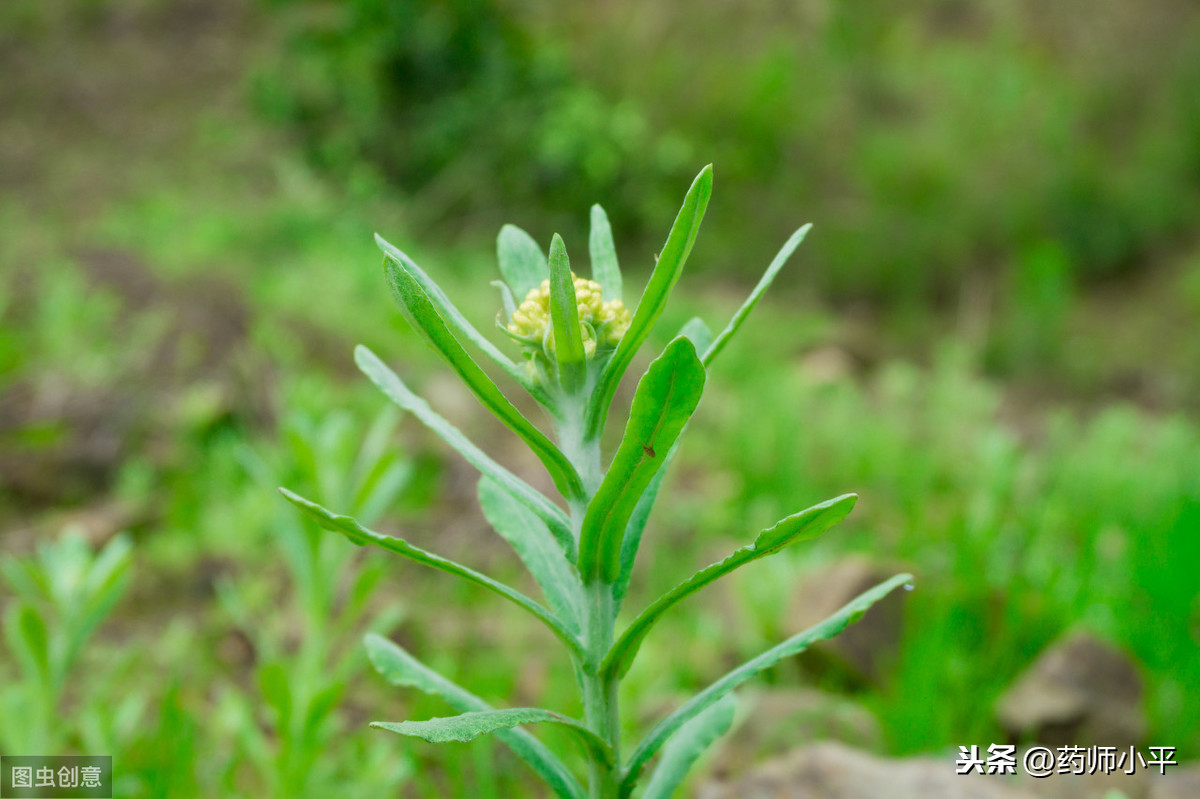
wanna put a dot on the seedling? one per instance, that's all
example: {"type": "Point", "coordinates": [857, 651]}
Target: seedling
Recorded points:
{"type": "Point", "coordinates": [577, 340]}
{"type": "Point", "coordinates": [61, 596]}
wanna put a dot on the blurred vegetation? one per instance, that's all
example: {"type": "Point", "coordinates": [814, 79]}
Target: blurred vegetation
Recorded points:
{"type": "Point", "coordinates": [186, 262]}
{"type": "Point", "coordinates": [926, 140]}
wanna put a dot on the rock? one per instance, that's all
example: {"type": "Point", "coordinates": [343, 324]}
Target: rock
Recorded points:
{"type": "Point", "coordinates": [771, 722]}
{"type": "Point", "coordinates": [1179, 782]}
{"type": "Point", "coordinates": [831, 770]}
{"type": "Point", "coordinates": [865, 648]}
{"type": "Point", "coordinates": [1087, 786]}
{"type": "Point", "coordinates": [1080, 691]}
{"type": "Point", "coordinates": [1174, 782]}
{"type": "Point", "coordinates": [834, 771]}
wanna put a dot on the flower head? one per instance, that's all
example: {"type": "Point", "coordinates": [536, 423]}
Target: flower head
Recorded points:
{"type": "Point", "coordinates": [602, 323]}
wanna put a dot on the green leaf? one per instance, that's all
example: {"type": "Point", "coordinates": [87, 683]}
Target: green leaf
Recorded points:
{"type": "Point", "coordinates": [564, 316]}
{"type": "Point", "coordinates": [360, 535]}
{"type": "Point", "coordinates": [27, 636]}
{"type": "Point", "coordinates": [26, 580]}
{"type": "Point", "coordinates": [662, 404]}
{"type": "Point", "coordinates": [537, 549]}
{"type": "Point", "coordinates": [379, 473]}
{"type": "Point", "coordinates": [632, 539]}
{"type": "Point", "coordinates": [506, 298]}
{"type": "Point", "coordinates": [605, 270]}
{"type": "Point", "coordinates": [797, 527]}
{"type": "Point", "coordinates": [454, 318]}
{"type": "Point", "coordinates": [276, 691]}
{"type": "Point", "coordinates": [106, 581]}
{"type": "Point", "coordinates": [701, 337]}
{"type": "Point", "coordinates": [764, 283]}
{"type": "Point", "coordinates": [361, 589]}
{"type": "Point", "coordinates": [839, 621]}
{"type": "Point", "coordinates": [402, 669]}
{"type": "Point", "coordinates": [391, 385]}
{"type": "Point", "coordinates": [382, 486]}
{"type": "Point", "coordinates": [696, 331]}
{"type": "Point", "coordinates": [109, 565]}
{"type": "Point", "coordinates": [666, 273]}
{"type": "Point", "coordinates": [323, 704]}
{"type": "Point", "coordinates": [687, 745]}
{"type": "Point", "coordinates": [412, 297]}
{"type": "Point", "coordinates": [521, 260]}
{"type": "Point", "coordinates": [470, 726]}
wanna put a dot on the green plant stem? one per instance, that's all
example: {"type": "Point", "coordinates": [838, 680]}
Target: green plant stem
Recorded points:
{"type": "Point", "coordinates": [583, 453]}
{"type": "Point", "coordinates": [600, 708]}
{"type": "Point", "coordinates": [601, 712]}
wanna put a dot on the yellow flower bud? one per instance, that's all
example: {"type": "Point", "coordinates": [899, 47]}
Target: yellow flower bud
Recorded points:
{"type": "Point", "coordinates": [603, 323]}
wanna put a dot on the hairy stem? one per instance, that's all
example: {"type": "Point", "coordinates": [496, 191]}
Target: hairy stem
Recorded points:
{"type": "Point", "coordinates": [600, 708]}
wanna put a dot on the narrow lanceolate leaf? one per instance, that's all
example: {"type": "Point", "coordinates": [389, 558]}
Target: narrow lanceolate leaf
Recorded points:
{"type": "Point", "coordinates": [391, 385]}
{"type": "Point", "coordinates": [666, 273]}
{"type": "Point", "coordinates": [662, 404]}
{"type": "Point", "coordinates": [839, 621]}
{"type": "Point", "coordinates": [27, 636]}
{"type": "Point", "coordinates": [400, 668]}
{"type": "Point", "coordinates": [456, 321]}
{"type": "Point", "coordinates": [522, 262]}
{"type": "Point", "coordinates": [696, 331]}
{"type": "Point", "coordinates": [687, 745]}
{"type": "Point", "coordinates": [506, 298]}
{"type": "Point", "coordinates": [797, 527]}
{"type": "Point", "coordinates": [632, 540]}
{"type": "Point", "coordinates": [470, 726]}
{"type": "Point", "coordinates": [764, 283]}
{"type": "Point", "coordinates": [564, 316]}
{"type": "Point", "coordinates": [360, 535]}
{"type": "Point", "coordinates": [605, 270]}
{"type": "Point", "coordinates": [415, 301]}
{"type": "Point", "coordinates": [535, 546]}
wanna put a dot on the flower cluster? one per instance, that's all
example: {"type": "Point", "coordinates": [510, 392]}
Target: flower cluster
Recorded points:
{"type": "Point", "coordinates": [603, 323]}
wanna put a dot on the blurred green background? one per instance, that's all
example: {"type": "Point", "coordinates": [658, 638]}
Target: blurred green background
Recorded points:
{"type": "Point", "coordinates": [990, 335]}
